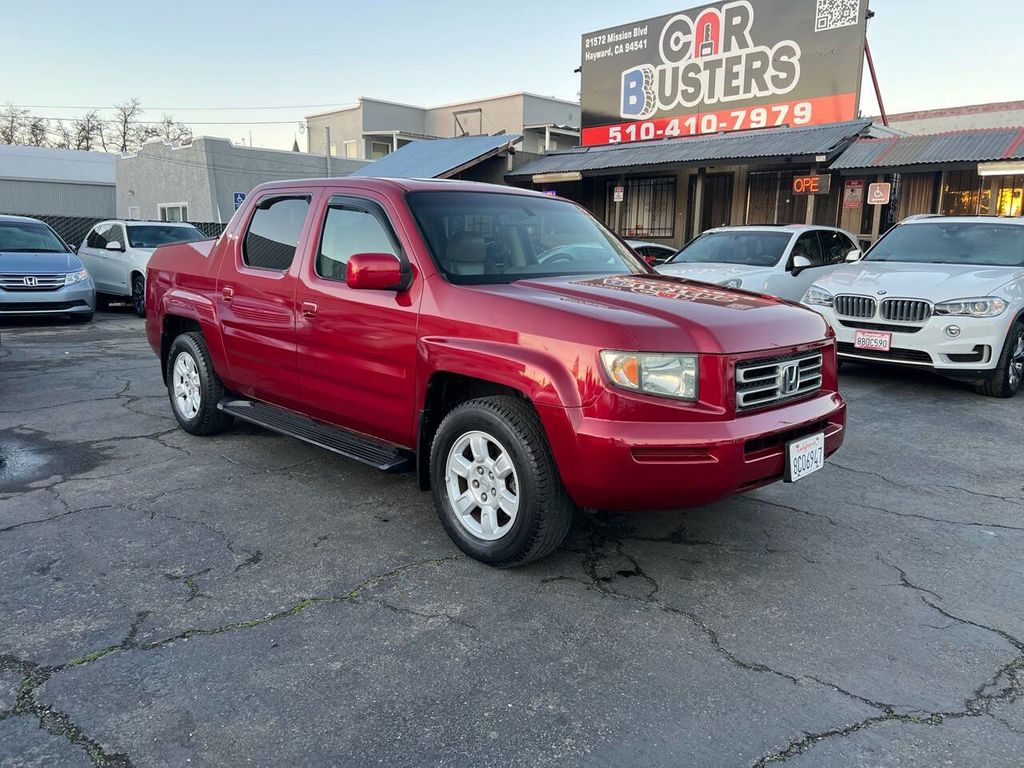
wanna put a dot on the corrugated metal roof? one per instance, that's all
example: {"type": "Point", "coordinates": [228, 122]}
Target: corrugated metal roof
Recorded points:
{"type": "Point", "coordinates": [437, 158]}
{"type": "Point", "coordinates": [768, 142]}
{"type": "Point", "coordinates": [979, 146]}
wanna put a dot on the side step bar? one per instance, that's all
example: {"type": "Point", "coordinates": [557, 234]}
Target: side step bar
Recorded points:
{"type": "Point", "coordinates": [376, 453]}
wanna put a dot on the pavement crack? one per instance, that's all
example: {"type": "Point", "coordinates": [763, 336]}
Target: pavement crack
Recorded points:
{"type": "Point", "coordinates": [904, 581]}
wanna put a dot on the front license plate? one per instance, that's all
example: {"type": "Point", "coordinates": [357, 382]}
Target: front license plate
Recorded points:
{"type": "Point", "coordinates": [876, 341]}
{"type": "Point", "coordinates": [804, 456]}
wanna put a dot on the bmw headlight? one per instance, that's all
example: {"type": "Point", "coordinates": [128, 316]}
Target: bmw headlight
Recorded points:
{"type": "Point", "coordinates": [988, 306]}
{"type": "Point", "coordinates": [735, 282]}
{"type": "Point", "coordinates": [666, 375]}
{"type": "Point", "coordinates": [76, 277]}
{"type": "Point", "coordinates": [818, 297]}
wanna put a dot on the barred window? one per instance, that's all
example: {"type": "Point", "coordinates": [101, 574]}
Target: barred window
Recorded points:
{"type": "Point", "coordinates": [649, 207]}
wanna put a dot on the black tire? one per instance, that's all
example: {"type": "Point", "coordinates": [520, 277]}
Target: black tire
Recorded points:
{"type": "Point", "coordinates": [81, 317]}
{"type": "Point", "coordinates": [139, 295]}
{"type": "Point", "coordinates": [545, 510]}
{"type": "Point", "coordinates": [207, 420]}
{"type": "Point", "coordinates": [1006, 379]}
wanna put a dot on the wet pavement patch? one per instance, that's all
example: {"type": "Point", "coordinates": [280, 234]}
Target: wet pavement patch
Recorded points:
{"type": "Point", "coordinates": [28, 458]}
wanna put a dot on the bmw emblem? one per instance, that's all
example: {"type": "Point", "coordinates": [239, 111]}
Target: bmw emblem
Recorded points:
{"type": "Point", "coordinates": [882, 293]}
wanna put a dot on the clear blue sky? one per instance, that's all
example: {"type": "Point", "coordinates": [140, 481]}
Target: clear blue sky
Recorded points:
{"type": "Point", "coordinates": [930, 53]}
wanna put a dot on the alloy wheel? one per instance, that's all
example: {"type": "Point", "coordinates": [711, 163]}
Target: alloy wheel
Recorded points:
{"type": "Point", "coordinates": [186, 387]}
{"type": "Point", "coordinates": [139, 296]}
{"type": "Point", "coordinates": [1015, 369]}
{"type": "Point", "coordinates": [483, 487]}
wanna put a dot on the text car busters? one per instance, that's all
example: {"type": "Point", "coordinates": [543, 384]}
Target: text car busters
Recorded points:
{"type": "Point", "coordinates": [707, 60]}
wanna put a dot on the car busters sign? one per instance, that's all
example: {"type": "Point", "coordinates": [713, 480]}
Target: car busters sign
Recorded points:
{"type": "Point", "coordinates": [728, 66]}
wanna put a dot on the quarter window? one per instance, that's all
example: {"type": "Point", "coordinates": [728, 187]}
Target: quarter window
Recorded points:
{"type": "Point", "coordinates": [348, 231]}
{"type": "Point", "coordinates": [273, 233]}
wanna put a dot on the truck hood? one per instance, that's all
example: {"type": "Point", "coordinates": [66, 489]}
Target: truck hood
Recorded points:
{"type": "Point", "coordinates": [932, 282]}
{"type": "Point", "coordinates": [714, 272]}
{"type": "Point", "coordinates": [668, 314]}
{"type": "Point", "coordinates": [18, 263]}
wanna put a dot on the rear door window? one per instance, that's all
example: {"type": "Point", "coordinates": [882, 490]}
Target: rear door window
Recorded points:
{"type": "Point", "coordinates": [808, 245]}
{"type": "Point", "coordinates": [273, 233]}
{"type": "Point", "coordinates": [835, 246]}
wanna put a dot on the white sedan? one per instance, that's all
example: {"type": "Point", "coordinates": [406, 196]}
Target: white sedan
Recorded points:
{"type": "Point", "coordinates": [936, 292]}
{"type": "Point", "coordinates": [116, 254]}
{"type": "Point", "coordinates": [780, 261]}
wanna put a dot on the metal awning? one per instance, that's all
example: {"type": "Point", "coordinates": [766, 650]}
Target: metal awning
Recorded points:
{"type": "Point", "coordinates": [820, 141]}
{"type": "Point", "coordinates": [900, 152]}
{"type": "Point", "coordinates": [439, 158]}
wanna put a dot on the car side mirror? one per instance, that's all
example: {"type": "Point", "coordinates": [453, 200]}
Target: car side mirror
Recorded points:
{"type": "Point", "coordinates": [855, 255]}
{"type": "Point", "coordinates": [114, 245]}
{"type": "Point", "coordinates": [377, 271]}
{"type": "Point", "coordinates": [800, 263]}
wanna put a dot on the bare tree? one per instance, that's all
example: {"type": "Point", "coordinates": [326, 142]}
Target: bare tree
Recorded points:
{"type": "Point", "coordinates": [12, 124]}
{"type": "Point", "coordinates": [88, 131]}
{"type": "Point", "coordinates": [37, 132]}
{"type": "Point", "coordinates": [63, 138]}
{"type": "Point", "coordinates": [123, 128]}
{"type": "Point", "coordinates": [173, 131]}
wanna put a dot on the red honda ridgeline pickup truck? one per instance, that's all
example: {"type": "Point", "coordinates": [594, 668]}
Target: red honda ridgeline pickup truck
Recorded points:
{"type": "Point", "coordinates": [500, 342]}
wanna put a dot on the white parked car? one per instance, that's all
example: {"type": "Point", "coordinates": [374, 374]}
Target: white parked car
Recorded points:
{"type": "Point", "coordinates": [116, 254]}
{"type": "Point", "coordinates": [937, 292]}
{"type": "Point", "coordinates": [780, 261]}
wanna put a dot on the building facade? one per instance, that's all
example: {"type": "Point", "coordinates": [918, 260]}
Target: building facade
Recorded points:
{"type": "Point", "coordinates": [35, 181]}
{"type": "Point", "coordinates": [205, 180]}
{"type": "Point", "coordinates": [372, 129]}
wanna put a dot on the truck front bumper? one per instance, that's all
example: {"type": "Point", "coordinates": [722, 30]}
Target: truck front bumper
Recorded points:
{"type": "Point", "coordinates": [643, 465]}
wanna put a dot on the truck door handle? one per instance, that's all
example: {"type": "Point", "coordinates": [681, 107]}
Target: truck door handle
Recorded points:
{"type": "Point", "coordinates": [228, 293]}
{"type": "Point", "coordinates": [309, 309]}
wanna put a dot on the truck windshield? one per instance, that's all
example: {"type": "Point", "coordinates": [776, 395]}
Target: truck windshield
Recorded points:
{"type": "Point", "coordinates": [953, 242]}
{"type": "Point", "coordinates": [753, 249]}
{"type": "Point", "coordinates": [153, 235]}
{"type": "Point", "coordinates": [29, 237]}
{"type": "Point", "coordinates": [482, 238]}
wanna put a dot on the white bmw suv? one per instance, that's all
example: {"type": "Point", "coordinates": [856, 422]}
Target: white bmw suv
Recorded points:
{"type": "Point", "coordinates": [938, 292]}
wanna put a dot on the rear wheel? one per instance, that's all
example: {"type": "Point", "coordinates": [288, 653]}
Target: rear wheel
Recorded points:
{"type": "Point", "coordinates": [194, 387]}
{"type": "Point", "coordinates": [495, 484]}
{"type": "Point", "coordinates": [139, 295]}
{"type": "Point", "coordinates": [1006, 379]}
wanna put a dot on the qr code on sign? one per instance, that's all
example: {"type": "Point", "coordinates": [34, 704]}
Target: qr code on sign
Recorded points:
{"type": "Point", "coordinates": [833, 14]}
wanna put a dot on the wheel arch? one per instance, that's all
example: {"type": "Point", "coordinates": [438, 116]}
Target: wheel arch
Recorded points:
{"type": "Point", "coordinates": [443, 391]}
{"type": "Point", "coordinates": [173, 327]}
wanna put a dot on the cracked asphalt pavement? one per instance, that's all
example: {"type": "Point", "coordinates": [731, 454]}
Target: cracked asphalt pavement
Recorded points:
{"type": "Point", "coordinates": [250, 600]}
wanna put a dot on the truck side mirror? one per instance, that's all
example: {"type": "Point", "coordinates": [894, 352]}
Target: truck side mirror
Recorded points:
{"type": "Point", "coordinates": [377, 271]}
{"type": "Point", "coordinates": [855, 255]}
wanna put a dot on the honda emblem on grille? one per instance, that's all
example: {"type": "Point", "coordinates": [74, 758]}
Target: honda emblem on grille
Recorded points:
{"type": "Point", "coordinates": [789, 378]}
{"type": "Point", "coordinates": [31, 281]}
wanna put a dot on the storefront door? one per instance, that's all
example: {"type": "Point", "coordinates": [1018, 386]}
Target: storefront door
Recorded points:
{"type": "Point", "coordinates": [716, 206]}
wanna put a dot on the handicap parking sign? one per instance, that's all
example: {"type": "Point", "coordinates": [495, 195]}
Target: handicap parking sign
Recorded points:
{"type": "Point", "coordinates": [239, 199]}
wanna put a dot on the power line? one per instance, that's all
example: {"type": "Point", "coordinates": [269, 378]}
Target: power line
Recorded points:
{"type": "Point", "coordinates": [182, 109]}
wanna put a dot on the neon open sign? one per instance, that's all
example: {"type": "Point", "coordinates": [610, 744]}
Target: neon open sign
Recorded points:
{"type": "Point", "coordinates": [812, 185]}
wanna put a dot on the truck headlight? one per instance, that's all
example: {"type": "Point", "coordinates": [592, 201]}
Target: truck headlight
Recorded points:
{"type": "Point", "coordinates": [76, 277]}
{"type": "Point", "coordinates": [988, 306]}
{"type": "Point", "coordinates": [666, 375]}
{"type": "Point", "coordinates": [735, 282]}
{"type": "Point", "coordinates": [818, 297]}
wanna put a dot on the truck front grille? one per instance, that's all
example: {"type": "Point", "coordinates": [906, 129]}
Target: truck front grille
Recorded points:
{"type": "Point", "coordinates": [854, 306]}
{"type": "Point", "coordinates": [906, 310]}
{"type": "Point", "coordinates": [762, 383]}
{"type": "Point", "coordinates": [31, 282]}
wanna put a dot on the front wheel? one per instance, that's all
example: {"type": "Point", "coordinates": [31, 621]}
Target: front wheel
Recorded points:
{"type": "Point", "coordinates": [194, 387]}
{"type": "Point", "coordinates": [1006, 379]}
{"type": "Point", "coordinates": [495, 484]}
{"type": "Point", "coordinates": [139, 295]}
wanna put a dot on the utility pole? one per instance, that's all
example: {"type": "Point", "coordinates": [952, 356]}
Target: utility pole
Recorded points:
{"type": "Point", "coordinates": [327, 149]}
